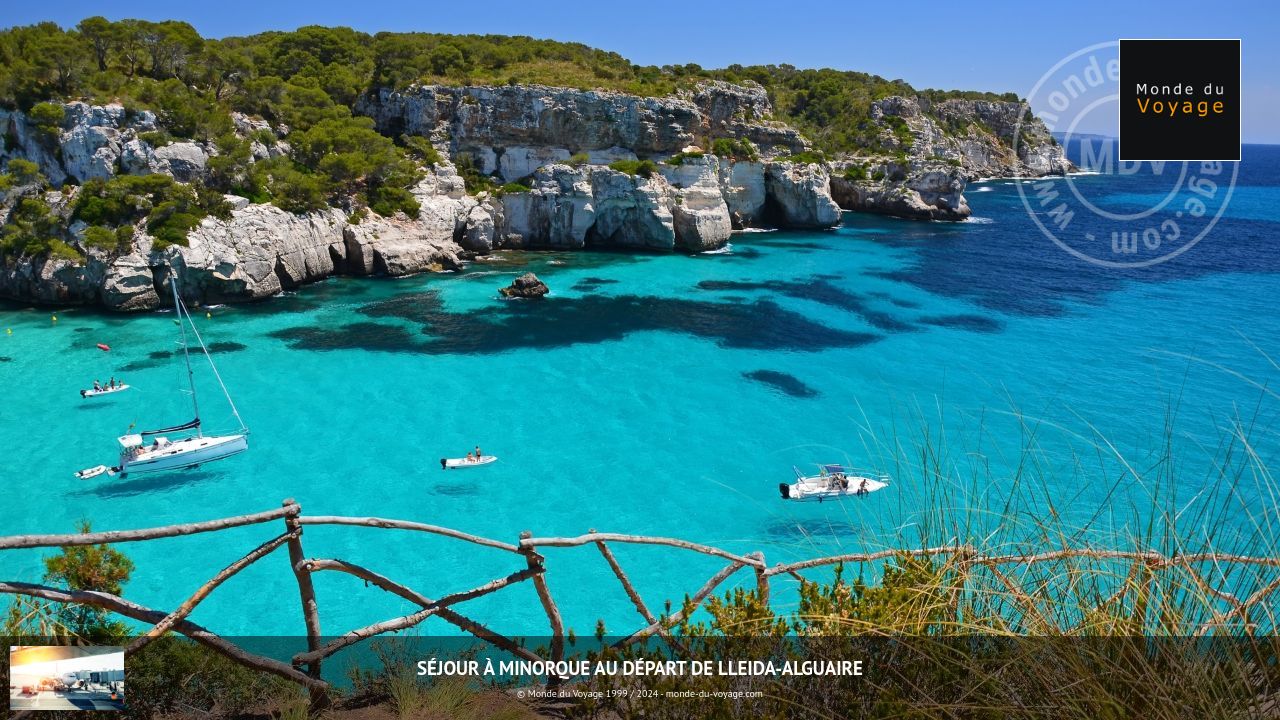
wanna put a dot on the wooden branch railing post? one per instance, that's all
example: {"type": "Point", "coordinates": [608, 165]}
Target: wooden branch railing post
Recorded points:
{"type": "Point", "coordinates": [762, 578]}
{"type": "Point", "coordinates": [537, 564]}
{"type": "Point", "coordinates": [962, 565]}
{"type": "Point", "coordinates": [307, 594]}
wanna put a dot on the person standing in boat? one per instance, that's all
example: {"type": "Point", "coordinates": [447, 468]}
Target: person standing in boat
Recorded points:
{"type": "Point", "coordinates": [478, 453]}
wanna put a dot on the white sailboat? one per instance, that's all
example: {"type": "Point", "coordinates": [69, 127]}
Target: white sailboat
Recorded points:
{"type": "Point", "coordinates": [162, 452]}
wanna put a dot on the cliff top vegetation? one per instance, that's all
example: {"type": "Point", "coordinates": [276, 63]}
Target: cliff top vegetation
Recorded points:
{"type": "Point", "coordinates": [303, 77]}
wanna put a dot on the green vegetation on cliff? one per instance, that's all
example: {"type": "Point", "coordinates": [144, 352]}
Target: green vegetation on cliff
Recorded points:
{"type": "Point", "coordinates": [315, 74]}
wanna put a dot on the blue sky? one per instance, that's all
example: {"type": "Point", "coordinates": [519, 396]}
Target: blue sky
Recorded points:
{"type": "Point", "coordinates": [998, 46]}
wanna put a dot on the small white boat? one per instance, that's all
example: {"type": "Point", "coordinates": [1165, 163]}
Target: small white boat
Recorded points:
{"type": "Point", "coordinates": [94, 471]}
{"type": "Point", "coordinates": [452, 463]}
{"type": "Point", "coordinates": [833, 481]}
{"type": "Point", "coordinates": [104, 390]}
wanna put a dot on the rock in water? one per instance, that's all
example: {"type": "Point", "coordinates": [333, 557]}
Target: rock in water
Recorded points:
{"type": "Point", "coordinates": [526, 286]}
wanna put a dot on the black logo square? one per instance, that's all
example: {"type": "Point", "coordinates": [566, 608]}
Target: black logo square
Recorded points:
{"type": "Point", "coordinates": [1180, 100]}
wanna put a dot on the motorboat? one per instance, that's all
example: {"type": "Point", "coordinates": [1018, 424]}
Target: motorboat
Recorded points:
{"type": "Point", "coordinates": [833, 481]}
{"type": "Point", "coordinates": [456, 463]}
{"type": "Point", "coordinates": [103, 390]}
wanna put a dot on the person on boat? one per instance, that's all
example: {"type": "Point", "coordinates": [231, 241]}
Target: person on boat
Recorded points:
{"type": "Point", "coordinates": [470, 458]}
{"type": "Point", "coordinates": [97, 385]}
{"type": "Point", "coordinates": [478, 453]}
{"type": "Point", "coordinates": [113, 381]}
{"type": "Point", "coordinates": [862, 487]}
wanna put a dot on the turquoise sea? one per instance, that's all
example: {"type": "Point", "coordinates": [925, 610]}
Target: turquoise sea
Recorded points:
{"type": "Point", "coordinates": [669, 395]}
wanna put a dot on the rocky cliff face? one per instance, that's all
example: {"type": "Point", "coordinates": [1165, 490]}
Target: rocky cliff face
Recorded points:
{"type": "Point", "coordinates": [983, 138]}
{"type": "Point", "coordinates": [925, 190]}
{"type": "Point", "coordinates": [939, 148]}
{"type": "Point", "coordinates": [513, 130]}
{"type": "Point", "coordinates": [798, 194]}
{"type": "Point", "coordinates": [97, 141]}
{"type": "Point", "coordinates": [526, 133]}
{"type": "Point", "coordinates": [682, 207]}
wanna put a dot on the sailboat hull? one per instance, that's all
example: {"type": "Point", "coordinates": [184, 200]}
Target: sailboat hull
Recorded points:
{"type": "Point", "coordinates": [184, 453]}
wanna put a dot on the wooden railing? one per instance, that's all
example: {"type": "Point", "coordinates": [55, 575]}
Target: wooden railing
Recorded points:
{"type": "Point", "coordinates": [964, 561]}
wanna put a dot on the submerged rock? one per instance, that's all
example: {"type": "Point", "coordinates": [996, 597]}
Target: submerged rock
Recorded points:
{"type": "Point", "coordinates": [526, 286]}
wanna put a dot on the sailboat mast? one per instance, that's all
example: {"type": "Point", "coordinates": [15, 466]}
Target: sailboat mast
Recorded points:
{"type": "Point", "coordinates": [186, 355]}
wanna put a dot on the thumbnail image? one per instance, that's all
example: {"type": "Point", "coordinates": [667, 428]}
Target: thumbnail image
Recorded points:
{"type": "Point", "coordinates": [66, 678]}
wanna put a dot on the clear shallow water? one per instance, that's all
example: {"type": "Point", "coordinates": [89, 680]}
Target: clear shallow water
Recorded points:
{"type": "Point", "coordinates": [653, 394]}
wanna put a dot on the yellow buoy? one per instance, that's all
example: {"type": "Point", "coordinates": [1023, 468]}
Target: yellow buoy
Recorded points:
{"type": "Point", "coordinates": [8, 331]}
{"type": "Point", "coordinates": [55, 318]}
{"type": "Point", "coordinates": [208, 316]}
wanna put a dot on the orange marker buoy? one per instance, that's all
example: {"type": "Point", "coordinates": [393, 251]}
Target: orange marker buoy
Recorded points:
{"type": "Point", "coordinates": [104, 347]}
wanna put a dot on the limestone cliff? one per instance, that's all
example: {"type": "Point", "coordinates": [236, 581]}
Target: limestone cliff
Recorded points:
{"type": "Point", "coordinates": [935, 149]}
{"type": "Point", "coordinates": [679, 207]}
{"type": "Point", "coordinates": [513, 130]}
{"type": "Point", "coordinates": [557, 142]}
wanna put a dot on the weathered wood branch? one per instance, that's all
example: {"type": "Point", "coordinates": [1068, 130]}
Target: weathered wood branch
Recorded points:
{"type": "Point", "coordinates": [637, 540]}
{"type": "Point", "coordinates": [1028, 604]}
{"type": "Point", "coordinates": [626, 584]}
{"type": "Point", "coordinates": [407, 621]}
{"type": "Point", "coordinates": [306, 591]}
{"type": "Point", "coordinates": [458, 620]}
{"type": "Point", "coordinates": [689, 606]}
{"type": "Point", "coordinates": [1241, 610]}
{"type": "Point", "coordinates": [535, 562]}
{"type": "Point", "coordinates": [406, 525]}
{"type": "Point", "coordinates": [119, 536]}
{"type": "Point", "coordinates": [863, 557]}
{"type": "Point", "coordinates": [1152, 559]}
{"type": "Point", "coordinates": [201, 635]}
{"type": "Point", "coordinates": [186, 608]}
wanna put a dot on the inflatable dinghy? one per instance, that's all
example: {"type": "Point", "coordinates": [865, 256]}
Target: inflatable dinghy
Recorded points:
{"type": "Point", "coordinates": [94, 472]}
